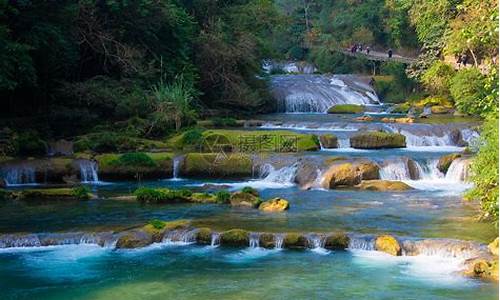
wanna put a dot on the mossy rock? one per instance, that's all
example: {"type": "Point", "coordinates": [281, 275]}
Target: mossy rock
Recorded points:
{"type": "Point", "coordinates": [247, 141]}
{"type": "Point", "coordinates": [211, 165]}
{"type": "Point", "coordinates": [401, 108]}
{"type": "Point", "coordinates": [388, 244]}
{"type": "Point", "coordinates": [294, 240]}
{"type": "Point", "coordinates": [242, 199]}
{"type": "Point", "coordinates": [446, 160]}
{"type": "Point", "coordinates": [50, 194]}
{"type": "Point", "coordinates": [134, 239]}
{"type": "Point", "coordinates": [204, 236]}
{"type": "Point", "coordinates": [482, 268]}
{"type": "Point", "coordinates": [377, 140]}
{"type": "Point", "coordinates": [383, 186]}
{"type": "Point", "coordinates": [440, 110]}
{"type": "Point", "coordinates": [346, 109]}
{"type": "Point", "coordinates": [368, 170]}
{"type": "Point", "coordinates": [203, 198]}
{"type": "Point", "coordinates": [337, 241]}
{"type": "Point", "coordinates": [112, 166]}
{"type": "Point", "coordinates": [266, 240]}
{"type": "Point", "coordinates": [349, 174]}
{"type": "Point", "coordinates": [234, 237]}
{"type": "Point", "coordinates": [274, 205]}
{"type": "Point", "coordinates": [329, 141]}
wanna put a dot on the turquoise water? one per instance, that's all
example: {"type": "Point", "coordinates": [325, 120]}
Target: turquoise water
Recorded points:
{"type": "Point", "coordinates": [195, 272]}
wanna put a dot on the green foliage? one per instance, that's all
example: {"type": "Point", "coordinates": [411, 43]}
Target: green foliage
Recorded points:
{"type": "Point", "coordinates": [29, 143]}
{"type": "Point", "coordinates": [81, 192]}
{"type": "Point", "coordinates": [157, 224]}
{"type": "Point", "coordinates": [437, 78]}
{"type": "Point", "coordinates": [105, 142]}
{"type": "Point", "coordinates": [192, 137]}
{"type": "Point", "coordinates": [485, 170]}
{"type": "Point", "coordinates": [346, 109]}
{"type": "Point", "coordinates": [223, 196]}
{"type": "Point", "coordinates": [224, 122]}
{"type": "Point", "coordinates": [155, 196]}
{"type": "Point", "coordinates": [135, 159]}
{"type": "Point", "coordinates": [467, 88]}
{"type": "Point", "coordinates": [250, 190]}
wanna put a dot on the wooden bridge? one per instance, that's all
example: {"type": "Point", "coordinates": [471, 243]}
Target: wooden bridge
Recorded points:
{"type": "Point", "coordinates": [378, 56]}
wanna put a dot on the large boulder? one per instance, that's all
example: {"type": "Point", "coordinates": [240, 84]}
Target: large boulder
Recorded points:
{"type": "Point", "coordinates": [204, 236]}
{"type": "Point", "coordinates": [217, 165]}
{"type": "Point", "coordinates": [388, 244]}
{"type": "Point", "coordinates": [337, 241]}
{"type": "Point", "coordinates": [383, 185]}
{"type": "Point", "coordinates": [482, 268]}
{"type": "Point", "coordinates": [493, 247]}
{"type": "Point", "coordinates": [440, 110]}
{"type": "Point", "coordinates": [329, 141]}
{"type": "Point", "coordinates": [274, 205]}
{"type": "Point", "coordinates": [134, 239]}
{"type": "Point", "coordinates": [446, 160]}
{"type": "Point", "coordinates": [349, 174]}
{"type": "Point", "coordinates": [294, 240]}
{"type": "Point", "coordinates": [234, 237]}
{"type": "Point", "coordinates": [242, 199]}
{"type": "Point", "coordinates": [377, 140]}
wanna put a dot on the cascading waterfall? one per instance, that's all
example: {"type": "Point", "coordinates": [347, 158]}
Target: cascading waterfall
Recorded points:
{"type": "Point", "coordinates": [215, 239]}
{"type": "Point", "coordinates": [279, 238]}
{"type": "Point", "coordinates": [425, 135]}
{"type": "Point", "coordinates": [253, 240]}
{"type": "Point", "coordinates": [285, 175]}
{"type": "Point", "coordinates": [88, 171]}
{"type": "Point", "coordinates": [396, 169]}
{"type": "Point", "coordinates": [105, 239]}
{"type": "Point", "coordinates": [361, 243]}
{"type": "Point", "coordinates": [180, 237]}
{"type": "Point", "coordinates": [407, 169]}
{"type": "Point", "coordinates": [316, 242]}
{"type": "Point", "coordinates": [459, 170]}
{"type": "Point", "coordinates": [19, 174]}
{"type": "Point", "coordinates": [176, 167]}
{"type": "Point", "coordinates": [317, 93]}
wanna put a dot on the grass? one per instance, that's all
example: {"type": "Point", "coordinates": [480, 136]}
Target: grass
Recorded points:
{"type": "Point", "coordinates": [111, 159]}
{"type": "Point", "coordinates": [210, 164]}
{"type": "Point", "coordinates": [346, 109]}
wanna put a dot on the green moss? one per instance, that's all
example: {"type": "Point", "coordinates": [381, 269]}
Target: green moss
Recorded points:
{"type": "Point", "coordinates": [204, 235]}
{"type": "Point", "coordinates": [150, 195]}
{"type": "Point", "coordinates": [377, 140]}
{"type": "Point", "coordinates": [346, 109]}
{"type": "Point", "coordinates": [55, 193]}
{"type": "Point", "coordinates": [401, 108]}
{"type": "Point", "coordinates": [250, 141]}
{"type": "Point", "coordinates": [213, 165]}
{"type": "Point", "coordinates": [294, 240]}
{"type": "Point", "coordinates": [81, 192]}
{"type": "Point", "coordinates": [203, 198]}
{"type": "Point", "coordinates": [234, 237]}
{"type": "Point", "coordinates": [157, 224]}
{"type": "Point", "coordinates": [337, 241]}
{"type": "Point", "coordinates": [250, 190]}
{"type": "Point", "coordinates": [134, 159]}
{"type": "Point", "coordinates": [223, 196]}
{"type": "Point", "coordinates": [133, 165]}
{"type": "Point", "coordinates": [333, 159]}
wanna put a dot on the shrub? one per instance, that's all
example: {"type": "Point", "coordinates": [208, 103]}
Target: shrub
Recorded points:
{"type": "Point", "coordinates": [467, 88]}
{"type": "Point", "coordinates": [223, 196]}
{"type": "Point", "coordinates": [30, 143]}
{"type": "Point", "coordinates": [437, 77]}
{"type": "Point", "coordinates": [106, 142]}
{"type": "Point", "coordinates": [81, 192]}
{"type": "Point", "coordinates": [250, 190]}
{"type": "Point", "coordinates": [134, 159]}
{"type": "Point", "coordinates": [157, 224]}
{"type": "Point", "coordinates": [149, 195]}
{"type": "Point", "coordinates": [224, 122]}
{"type": "Point", "coordinates": [192, 137]}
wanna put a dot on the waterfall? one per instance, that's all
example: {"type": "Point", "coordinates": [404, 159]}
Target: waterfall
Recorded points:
{"type": "Point", "coordinates": [279, 238]}
{"type": "Point", "coordinates": [361, 243]}
{"type": "Point", "coordinates": [285, 175]}
{"type": "Point", "coordinates": [317, 93]}
{"type": "Point", "coordinates": [442, 248]}
{"type": "Point", "coordinates": [426, 135]}
{"type": "Point", "coordinates": [19, 174]}
{"type": "Point", "coordinates": [180, 237]}
{"type": "Point", "coordinates": [105, 239]}
{"type": "Point", "coordinates": [253, 240]}
{"type": "Point", "coordinates": [88, 171]}
{"type": "Point", "coordinates": [459, 170]}
{"type": "Point", "coordinates": [396, 169]}
{"type": "Point", "coordinates": [176, 167]}
{"type": "Point", "coordinates": [215, 239]}
{"type": "Point", "coordinates": [344, 143]}
{"type": "Point", "coordinates": [316, 242]}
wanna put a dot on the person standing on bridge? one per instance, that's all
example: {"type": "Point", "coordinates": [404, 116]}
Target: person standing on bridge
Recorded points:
{"type": "Point", "coordinates": [389, 53]}
{"type": "Point", "coordinates": [367, 50]}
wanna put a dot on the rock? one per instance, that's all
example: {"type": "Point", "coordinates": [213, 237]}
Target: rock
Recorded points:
{"type": "Point", "coordinates": [426, 113]}
{"type": "Point", "coordinates": [364, 119]}
{"type": "Point", "coordinates": [110, 167]}
{"type": "Point", "coordinates": [388, 244]}
{"type": "Point", "coordinates": [388, 120]}
{"type": "Point", "coordinates": [242, 199]}
{"type": "Point", "coordinates": [457, 138]}
{"type": "Point", "coordinates": [439, 110]}
{"type": "Point", "coordinates": [60, 147]}
{"type": "Point", "coordinates": [404, 120]}
{"type": "Point", "coordinates": [294, 240]}
{"type": "Point", "coordinates": [234, 237]}
{"type": "Point", "coordinates": [274, 205]}
{"type": "Point", "coordinates": [482, 268]}
{"type": "Point", "coordinates": [383, 185]}
{"type": "Point", "coordinates": [3, 183]}
{"type": "Point", "coordinates": [349, 174]}
{"type": "Point", "coordinates": [328, 141]}
{"type": "Point", "coordinates": [134, 239]}
{"type": "Point", "coordinates": [377, 140]}
{"type": "Point", "coordinates": [337, 241]}
{"type": "Point", "coordinates": [212, 165]}
{"type": "Point", "coordinates": [493, 247]}
{"type": "Point", "coordinates": [204, 236]}
{"type": "Point", "coordinates": [266, 240]}
{"type": "Point", "coordinates": [306, 174]}
{"type": "Point", "coordinates": [446, 160]}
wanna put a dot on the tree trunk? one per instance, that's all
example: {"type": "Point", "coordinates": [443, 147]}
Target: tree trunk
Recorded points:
{"type": "Point", "coordinates": [474, 57]}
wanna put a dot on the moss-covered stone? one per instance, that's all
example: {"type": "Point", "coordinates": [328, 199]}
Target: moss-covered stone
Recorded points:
{"type": "Point", "coordinates": [212, 165]}
{"type": "Point", "coordinates": [337, 241]}
{"type": "Point", "coordinates": [294, 240]}
{"type": "Point", "coordinates": [113, 167]}
{"type": "Point", "coordinates": [388, 244]}
{"type": "Point", "coordinates": [346, 109]}
{"type": "Point", "coordinates": [134, 239]}
{"type": "Point", "coordinates": [266, 240]}
{"type": "Point", "coordinates": [401, 108]}
{"type": "Point", "coordinates": [368, 170]}
{"type": "Point", "coordinates": [377, 140]}
{"type": "Point", "coordinates": [349, 174]}
{"type": "Point", "coordinates": [383, 185]}
{"type": "Point", "coordinates": [203, 198]}
{"type": "Point", "coordinates": [204, 236]}
{"type": "Point", "coordinates": [329, 141]}
{"type": "Point", "coordinates": [274, 205]}
{"type": "Point", "coordinates": [48, 194]}
{"type": "Point", "coordinates": [440, 110]}
{"type": "Point", "coordinates": [234, 237]}
{"type": "Point", "coordinates": [446, 160]}
{"type": "Point", "coordinates": [486, 269]}
{"type": "Point", "coordinates": [242, 199]}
